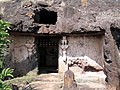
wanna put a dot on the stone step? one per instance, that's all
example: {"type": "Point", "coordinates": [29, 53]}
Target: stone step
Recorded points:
{"type": "Point", "coordinates": [85, 81]}
{"type": "Point", "coordinates": [91, 86]}
{"type": "Point", "coordinates": [53, 77]}
{"type": "Point", "coordinates": [93, 77]}
{"type": "Point", "coordinates": [80, 78]}
{"type": "Point", "coordinates": [41, 85]}
{"type": "Point", "coordinates": [38, 85]}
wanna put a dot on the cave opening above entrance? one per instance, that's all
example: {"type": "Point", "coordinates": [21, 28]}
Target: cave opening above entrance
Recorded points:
{"type": "Point", "coordinates": [45, 17]}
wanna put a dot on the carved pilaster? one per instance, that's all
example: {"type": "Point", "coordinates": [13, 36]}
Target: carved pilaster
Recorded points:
{"type": "Point", "coordinates": [30, 49]}
{"type": "Point", "coordinates": [64, 47]}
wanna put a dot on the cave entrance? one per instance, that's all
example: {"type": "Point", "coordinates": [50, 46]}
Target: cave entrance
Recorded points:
{"type": "Point", "coordinates": [48, 54]}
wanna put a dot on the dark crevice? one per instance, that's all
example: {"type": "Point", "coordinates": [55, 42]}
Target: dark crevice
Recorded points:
{"type": "Point", "coordinates": [89, 68]}
{"type": "Point", "coordinates": [116, 35]}
{"type": "Point", "coordinates": [45, 17]}
{"type": "Point", "coordinates": [107, 57]}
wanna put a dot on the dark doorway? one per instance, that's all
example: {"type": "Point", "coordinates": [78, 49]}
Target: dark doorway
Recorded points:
{"type": "Point", "coordinates": [47, 49]}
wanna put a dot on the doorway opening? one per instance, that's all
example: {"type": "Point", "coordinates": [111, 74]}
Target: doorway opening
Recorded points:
{"type": "Point", "coordinates": [47, 51]}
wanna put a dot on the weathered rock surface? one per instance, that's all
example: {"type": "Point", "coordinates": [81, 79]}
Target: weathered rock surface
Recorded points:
{"type": "Point", "coordinates": [72, 17]}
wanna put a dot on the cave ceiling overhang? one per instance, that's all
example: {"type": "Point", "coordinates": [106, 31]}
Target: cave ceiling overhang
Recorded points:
{"type": "Point", "coordinates": [70, 17]}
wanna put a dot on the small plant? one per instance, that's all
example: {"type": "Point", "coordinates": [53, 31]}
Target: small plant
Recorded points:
{"type": "Point", "coordinates": [4, 72]}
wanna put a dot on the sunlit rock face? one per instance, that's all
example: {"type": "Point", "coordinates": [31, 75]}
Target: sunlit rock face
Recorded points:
{"type": "Point", "coordinates": [72, 17]}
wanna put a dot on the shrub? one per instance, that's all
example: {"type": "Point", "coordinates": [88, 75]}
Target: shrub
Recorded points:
{"type": "Point", "coordinates": [4, 72]}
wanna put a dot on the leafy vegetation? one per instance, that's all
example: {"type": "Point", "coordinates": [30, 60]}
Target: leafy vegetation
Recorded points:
{"type": "Point", "coordinates": [4, 72]}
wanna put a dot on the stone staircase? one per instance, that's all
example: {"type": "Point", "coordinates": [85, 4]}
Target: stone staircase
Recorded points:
{"type": "Point", "coordinates": [91, 86]}
{"type": "Point", "coordinates": [52, 81]}
{"type": "Point", "coordinates": [87, 81]}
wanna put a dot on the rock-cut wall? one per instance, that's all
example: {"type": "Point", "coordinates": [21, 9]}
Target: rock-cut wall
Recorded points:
{"type": "Point", "coordinates": [22, 54]}
{"type": "Point", "coordinates": [73, 16]}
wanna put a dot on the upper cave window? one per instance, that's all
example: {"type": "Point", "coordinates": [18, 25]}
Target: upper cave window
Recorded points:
{"type": "Point", "coordinates": [45, 17]}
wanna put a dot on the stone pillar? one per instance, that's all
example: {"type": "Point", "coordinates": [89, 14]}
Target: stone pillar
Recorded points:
{"type": "Point", "coordinates": [69, 82]}
{"type": "Point", "coordinates": [63, 57]}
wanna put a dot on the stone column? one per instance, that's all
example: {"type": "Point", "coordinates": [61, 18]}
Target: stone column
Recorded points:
{"type": "Point", "coordinates": [63, 57]}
